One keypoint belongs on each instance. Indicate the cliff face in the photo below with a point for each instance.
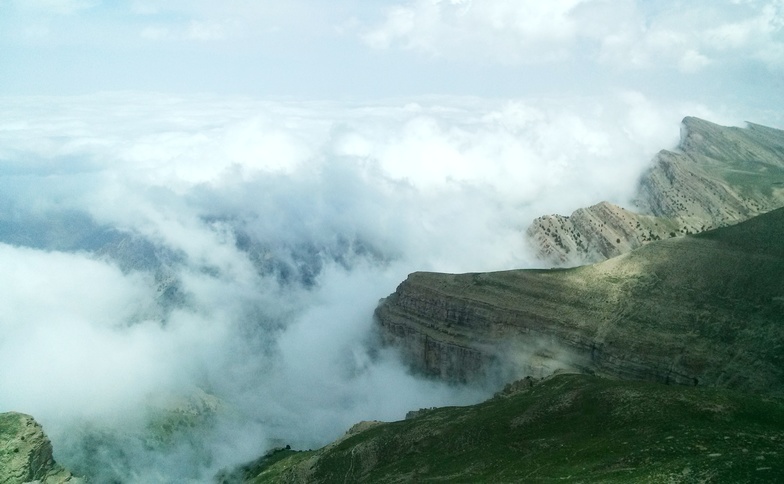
(26, 453)
(702, 309)
(597, 233)
(717, 177)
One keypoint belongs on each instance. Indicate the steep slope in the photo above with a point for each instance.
(26, 453)
(717, 177)
(697, 310)
(572, 427)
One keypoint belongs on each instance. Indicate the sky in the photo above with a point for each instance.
(721, 53)
(210, 198)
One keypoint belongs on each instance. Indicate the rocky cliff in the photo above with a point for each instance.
(26, 453)
(696, 310)
(718, 176)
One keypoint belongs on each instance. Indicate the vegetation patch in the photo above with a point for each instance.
(567, 427)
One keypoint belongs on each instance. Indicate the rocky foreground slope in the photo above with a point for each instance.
(700, 310)
(568, 427)
(718, 176)
(26, 453)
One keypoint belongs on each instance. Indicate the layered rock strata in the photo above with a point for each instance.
(26, 453)
(718, 176)
(702, 309)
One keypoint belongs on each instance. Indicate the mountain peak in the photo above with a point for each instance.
(719, 176)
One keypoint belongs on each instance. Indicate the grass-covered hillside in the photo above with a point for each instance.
(569, 427)
(698, 310)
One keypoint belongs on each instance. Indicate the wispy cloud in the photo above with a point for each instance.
(510, 31)
(625, 34)
(391, 48)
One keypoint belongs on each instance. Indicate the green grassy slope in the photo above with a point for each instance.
(568, 427)
(705, 309)
(709, 306)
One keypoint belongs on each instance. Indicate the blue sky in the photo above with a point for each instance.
(710, 51)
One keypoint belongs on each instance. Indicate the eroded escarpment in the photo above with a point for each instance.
(702, 309)
(716, 177)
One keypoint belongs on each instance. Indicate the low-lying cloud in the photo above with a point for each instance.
(223, 257)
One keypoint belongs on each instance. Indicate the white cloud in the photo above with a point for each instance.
(699, 35)
(693, 61)
(508, 31)
(479, 47)
(70, 330)
(624, 34)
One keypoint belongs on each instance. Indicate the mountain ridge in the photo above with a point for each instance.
(716, 177)
(671, 312)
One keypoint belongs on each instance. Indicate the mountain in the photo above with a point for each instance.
(661, 362)
(26, 453)
(718, 176)
(700, 310)
(566, 427)
(664, 364)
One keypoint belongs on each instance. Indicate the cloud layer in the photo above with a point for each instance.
(158, 247)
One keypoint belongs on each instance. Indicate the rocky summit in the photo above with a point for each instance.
(717, 176)
(26, 453)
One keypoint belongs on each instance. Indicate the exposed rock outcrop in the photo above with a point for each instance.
(26, 453)
(703, 309)
(597, 233)
(717, 177)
